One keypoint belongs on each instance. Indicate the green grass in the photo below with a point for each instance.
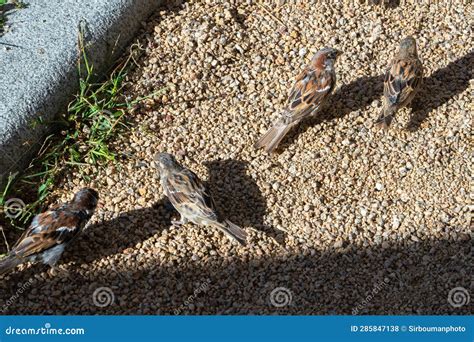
(95, 117)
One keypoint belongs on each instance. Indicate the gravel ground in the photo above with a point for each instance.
(347, 219)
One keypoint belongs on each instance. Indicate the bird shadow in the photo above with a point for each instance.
(111, 237)
(356, 95)
(238, 196)
(440, 87)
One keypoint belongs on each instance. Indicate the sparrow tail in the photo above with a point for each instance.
(385, 119)
(9, 263)
(233, 231)
(273, 137)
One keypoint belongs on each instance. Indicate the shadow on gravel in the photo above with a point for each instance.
(238, 196)
(440, 87)
(410, 278)
(114, 236)
(354, 96)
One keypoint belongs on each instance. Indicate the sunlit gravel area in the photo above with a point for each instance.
(344, 219)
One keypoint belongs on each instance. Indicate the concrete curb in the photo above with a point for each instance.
(38, 63)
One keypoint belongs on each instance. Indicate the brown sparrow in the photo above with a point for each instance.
(311, 89)
(191, 199)
(402, 81)
(51, 232)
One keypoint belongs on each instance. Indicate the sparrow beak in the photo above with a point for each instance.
(338, 53)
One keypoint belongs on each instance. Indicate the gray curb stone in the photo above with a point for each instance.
(38, 63)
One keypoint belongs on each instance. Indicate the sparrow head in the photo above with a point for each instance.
(85, 199)
(166, 162)
(326, 57)
(408, 47)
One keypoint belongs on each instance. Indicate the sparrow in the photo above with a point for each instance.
(402, 81)
(191, 198)
(52, 231)
(311, 89)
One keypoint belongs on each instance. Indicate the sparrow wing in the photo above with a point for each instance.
(188, 194)
(401, 80)
(47, 230)
(311, 88)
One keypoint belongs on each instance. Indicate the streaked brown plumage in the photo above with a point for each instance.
(50, 232)
(191, 198)
(402, 81)
(311, 89)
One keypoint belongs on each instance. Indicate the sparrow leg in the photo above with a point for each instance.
(180, 222)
